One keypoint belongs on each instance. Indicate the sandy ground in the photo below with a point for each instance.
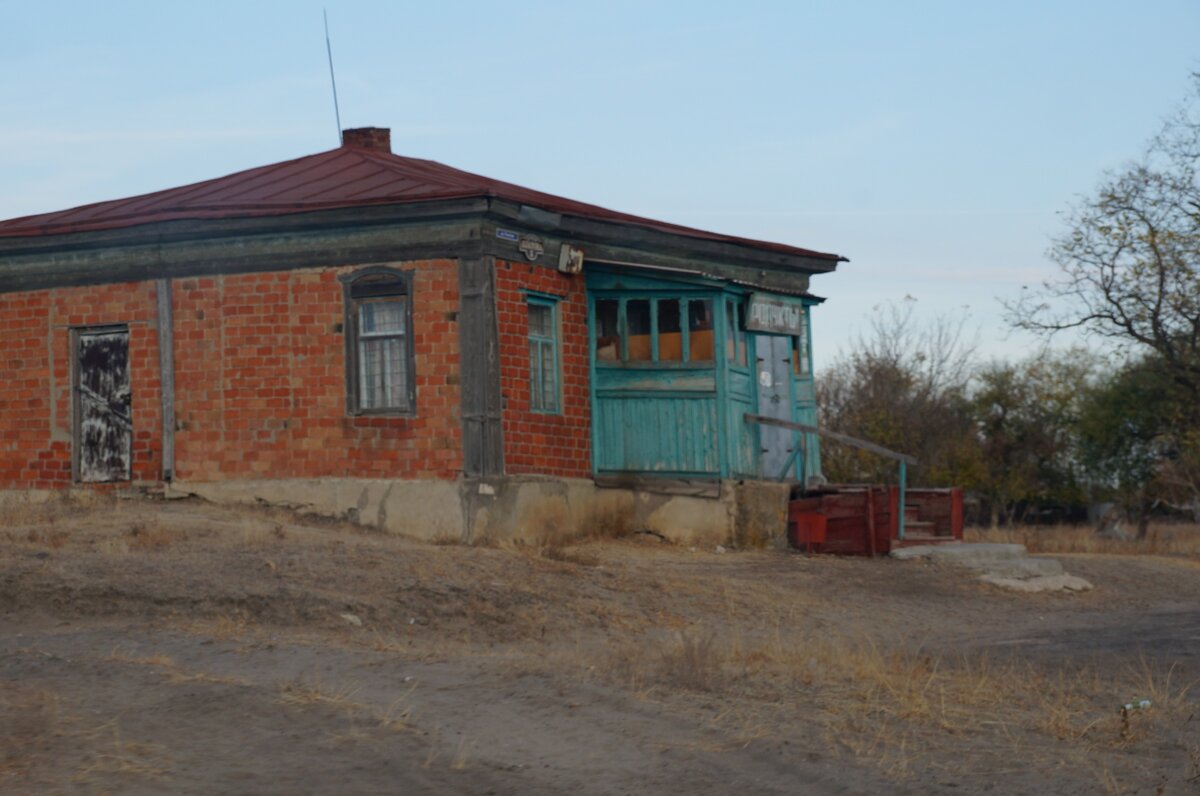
(150, 647)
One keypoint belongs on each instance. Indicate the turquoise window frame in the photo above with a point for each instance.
(685, 299)
(537, 376)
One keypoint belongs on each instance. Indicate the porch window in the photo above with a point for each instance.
(543, 355)
(735, 338)
(643, 330)
(379, 343)
(608, 336)
(700, 330)
(800, 355)
(670, 331)
(639, 346)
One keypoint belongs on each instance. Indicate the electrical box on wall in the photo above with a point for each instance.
(570, 259)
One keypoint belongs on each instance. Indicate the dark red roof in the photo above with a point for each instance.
(348, 176)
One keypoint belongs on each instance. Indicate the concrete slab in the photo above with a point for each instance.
(967, 554)
(1004, 565)
(1062, 582)
(1022, 568)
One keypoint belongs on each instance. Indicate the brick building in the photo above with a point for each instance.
(416, 347)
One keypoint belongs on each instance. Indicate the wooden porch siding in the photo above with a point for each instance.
(669, 434)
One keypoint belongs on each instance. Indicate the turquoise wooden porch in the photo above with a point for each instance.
(674, 372)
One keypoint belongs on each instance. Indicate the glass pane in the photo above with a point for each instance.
(741, 336)
(800, 355)
(540, 320)
(670, 337)
(608, 339)
(637, 317)
(549, 381)
(535, 377)
(700, 331)
(381, 373)
(381, 317)
(730, 331)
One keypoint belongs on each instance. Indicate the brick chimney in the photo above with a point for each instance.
(376, 139)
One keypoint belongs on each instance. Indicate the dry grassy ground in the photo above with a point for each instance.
(1163, 539)
(179, 647)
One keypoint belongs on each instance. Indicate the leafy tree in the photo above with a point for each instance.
(1026, 414)
(1138, 440)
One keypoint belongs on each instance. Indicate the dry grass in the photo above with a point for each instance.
(30, 718)
(558, 549)
(158, 659)
(887, 703)
(130, 758)
(1181, 540)
(302, 693)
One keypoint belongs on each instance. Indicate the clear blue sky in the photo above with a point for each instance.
(931, 143)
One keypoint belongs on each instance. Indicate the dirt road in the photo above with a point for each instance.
(150, 647)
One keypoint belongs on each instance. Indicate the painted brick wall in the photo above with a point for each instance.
(35, 391)
(260, 380)
(535, 442)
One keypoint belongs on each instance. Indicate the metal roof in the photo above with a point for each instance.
(349, 176)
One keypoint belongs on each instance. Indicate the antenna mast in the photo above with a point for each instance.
(332, 81)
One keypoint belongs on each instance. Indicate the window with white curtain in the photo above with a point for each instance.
(379, 343)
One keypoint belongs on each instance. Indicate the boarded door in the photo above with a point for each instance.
(104, 420)
(774, 374)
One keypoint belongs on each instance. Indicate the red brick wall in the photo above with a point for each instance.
(260, 380)
(535, 442)
(35, 391)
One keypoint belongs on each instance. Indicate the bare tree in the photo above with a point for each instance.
(903, 385)
(1129, 263)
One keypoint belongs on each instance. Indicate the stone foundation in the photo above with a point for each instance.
(521, 508)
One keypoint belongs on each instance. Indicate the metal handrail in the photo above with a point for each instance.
(903, 458)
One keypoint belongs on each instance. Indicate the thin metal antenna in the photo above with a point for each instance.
(332, 81)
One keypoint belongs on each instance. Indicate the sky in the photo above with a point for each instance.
(933, 144)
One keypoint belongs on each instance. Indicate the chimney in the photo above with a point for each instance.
(375, 139)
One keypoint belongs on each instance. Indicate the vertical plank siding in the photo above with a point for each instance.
(658, 434)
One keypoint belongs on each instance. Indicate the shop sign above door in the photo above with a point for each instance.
(774, 316)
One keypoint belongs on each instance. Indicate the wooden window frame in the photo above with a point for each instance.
(549, 303)
(377, 283)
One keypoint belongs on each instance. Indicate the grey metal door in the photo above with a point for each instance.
(103, 416)
(773, 371)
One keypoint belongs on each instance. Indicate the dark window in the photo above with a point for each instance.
(700, 331)
(670, 331)
(637, 341)
(608, 335)
(379, 343)
(735, 338)
(800, 359)
(742, 358)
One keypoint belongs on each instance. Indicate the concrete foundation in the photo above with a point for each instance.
(521, 508)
